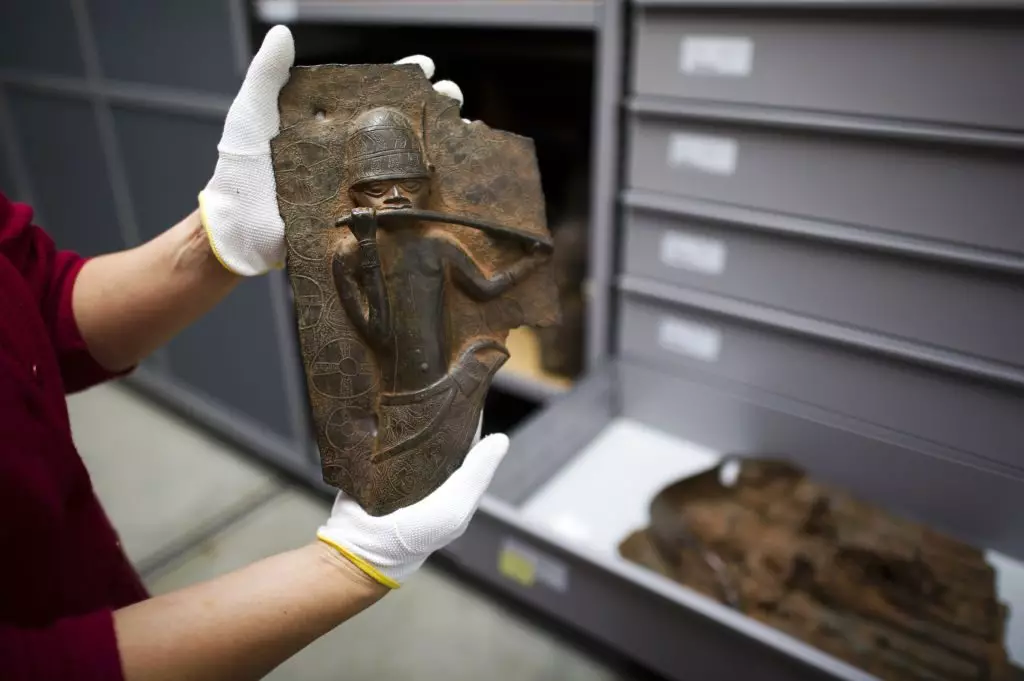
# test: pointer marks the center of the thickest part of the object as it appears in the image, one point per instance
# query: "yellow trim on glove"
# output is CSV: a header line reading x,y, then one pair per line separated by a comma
x,y
360,563
209,235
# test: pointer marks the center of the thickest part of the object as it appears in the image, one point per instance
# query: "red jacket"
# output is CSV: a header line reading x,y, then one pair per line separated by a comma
x,y
62,570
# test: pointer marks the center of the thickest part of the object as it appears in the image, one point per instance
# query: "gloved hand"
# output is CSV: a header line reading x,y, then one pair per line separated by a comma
x,y
392,547
238,207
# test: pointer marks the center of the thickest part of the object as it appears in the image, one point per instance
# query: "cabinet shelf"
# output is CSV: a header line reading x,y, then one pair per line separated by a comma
x,y
553,14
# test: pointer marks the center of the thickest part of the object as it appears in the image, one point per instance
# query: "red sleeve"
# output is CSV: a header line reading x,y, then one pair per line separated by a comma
x,y
50,274
74,649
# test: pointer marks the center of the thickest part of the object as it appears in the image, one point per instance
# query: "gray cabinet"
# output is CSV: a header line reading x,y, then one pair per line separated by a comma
x,y
114,110
186,44
67,169
40,37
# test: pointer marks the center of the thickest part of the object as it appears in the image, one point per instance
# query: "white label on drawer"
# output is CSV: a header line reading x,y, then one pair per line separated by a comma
x,y
690,338
692,252
708,153
714,55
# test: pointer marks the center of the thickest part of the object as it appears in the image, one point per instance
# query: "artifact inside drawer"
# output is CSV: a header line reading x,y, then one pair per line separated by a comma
x,y
892,597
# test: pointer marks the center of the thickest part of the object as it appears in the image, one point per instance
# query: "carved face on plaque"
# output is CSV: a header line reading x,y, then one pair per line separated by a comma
x,y
385,162
409,325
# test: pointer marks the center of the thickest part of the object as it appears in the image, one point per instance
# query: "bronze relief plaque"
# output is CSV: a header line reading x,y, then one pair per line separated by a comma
x,y
415,242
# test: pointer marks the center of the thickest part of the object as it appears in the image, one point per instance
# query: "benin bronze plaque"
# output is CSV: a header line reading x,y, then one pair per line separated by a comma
x,y
415,242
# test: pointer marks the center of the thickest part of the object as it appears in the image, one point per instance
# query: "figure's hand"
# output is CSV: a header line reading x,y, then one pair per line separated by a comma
x,y
392,547
364,224
238,206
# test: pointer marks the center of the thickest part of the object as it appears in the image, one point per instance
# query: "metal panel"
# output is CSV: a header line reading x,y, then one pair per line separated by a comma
x,y
39,35
8,185
67,170
564,14
234,353
956,70
267,446
179,43
167,158
604,180
959,194
982,421
962,309
902,474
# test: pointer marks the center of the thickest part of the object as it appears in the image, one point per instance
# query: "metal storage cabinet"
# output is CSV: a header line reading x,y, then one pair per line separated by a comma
x,y
821,261
111,114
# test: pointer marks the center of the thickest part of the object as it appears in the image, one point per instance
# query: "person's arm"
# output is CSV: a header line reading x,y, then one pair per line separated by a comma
x,y
243,624
128,304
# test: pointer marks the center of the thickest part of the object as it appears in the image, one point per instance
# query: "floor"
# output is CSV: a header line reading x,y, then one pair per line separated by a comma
x,y
189,508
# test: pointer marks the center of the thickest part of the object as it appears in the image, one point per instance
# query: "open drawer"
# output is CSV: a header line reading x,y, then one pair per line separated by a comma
x,y
582,472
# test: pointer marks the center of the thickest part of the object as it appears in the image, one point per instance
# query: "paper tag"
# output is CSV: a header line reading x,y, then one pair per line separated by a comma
x,y
712,55
528,566
690,338
708,153
692,252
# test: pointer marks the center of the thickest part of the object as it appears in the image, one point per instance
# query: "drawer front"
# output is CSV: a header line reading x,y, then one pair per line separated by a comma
x,y
981,419
980,507
963,72
960,309
956,194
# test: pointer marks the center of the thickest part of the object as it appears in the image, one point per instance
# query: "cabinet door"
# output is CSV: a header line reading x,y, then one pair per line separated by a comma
x,y
184,44
67,171
233,354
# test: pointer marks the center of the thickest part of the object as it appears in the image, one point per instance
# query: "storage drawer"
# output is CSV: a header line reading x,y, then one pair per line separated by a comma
x,y
580,475
953,193
981,419
905,476
960,70
958,308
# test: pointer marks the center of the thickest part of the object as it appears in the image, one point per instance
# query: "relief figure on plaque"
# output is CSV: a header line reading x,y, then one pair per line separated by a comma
x,y
392,279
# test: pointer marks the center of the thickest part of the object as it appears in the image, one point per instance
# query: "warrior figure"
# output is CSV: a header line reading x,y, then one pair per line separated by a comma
x,y
397,302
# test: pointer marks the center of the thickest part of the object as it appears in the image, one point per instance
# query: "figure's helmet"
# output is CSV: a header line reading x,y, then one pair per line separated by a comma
x,y
383,146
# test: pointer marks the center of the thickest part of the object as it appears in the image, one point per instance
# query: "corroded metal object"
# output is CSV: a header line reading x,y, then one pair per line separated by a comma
x,y
415,242
892,597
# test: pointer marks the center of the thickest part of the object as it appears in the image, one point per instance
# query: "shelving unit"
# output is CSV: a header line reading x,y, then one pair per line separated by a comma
x,y
823,263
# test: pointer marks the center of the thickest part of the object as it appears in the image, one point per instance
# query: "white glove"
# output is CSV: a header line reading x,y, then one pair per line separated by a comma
x,y
392,547
238,207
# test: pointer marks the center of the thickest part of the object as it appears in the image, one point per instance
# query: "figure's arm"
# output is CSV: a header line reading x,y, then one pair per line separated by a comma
x,y
371,277
348,288
473,281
